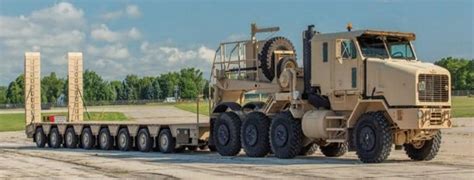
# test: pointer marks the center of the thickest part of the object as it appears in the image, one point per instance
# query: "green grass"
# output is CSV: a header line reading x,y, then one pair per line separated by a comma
x,y
463,106
191,107
16,121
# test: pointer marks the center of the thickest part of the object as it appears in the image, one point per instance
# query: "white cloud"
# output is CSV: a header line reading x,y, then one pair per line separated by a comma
x,y
133,11
103,33
114,51
53,31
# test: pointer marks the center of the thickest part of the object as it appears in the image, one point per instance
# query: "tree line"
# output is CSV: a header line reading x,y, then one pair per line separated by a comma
x,y
188,83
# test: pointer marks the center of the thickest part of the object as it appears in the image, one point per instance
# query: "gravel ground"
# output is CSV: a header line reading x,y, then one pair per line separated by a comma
x,y
19,158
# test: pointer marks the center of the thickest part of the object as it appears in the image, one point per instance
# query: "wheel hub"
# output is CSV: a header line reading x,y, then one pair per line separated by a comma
x,y
103,139
69,138
367,138
223,134
418,144
251,134
122,140
53,138
281,135
142,140
164,141
86,139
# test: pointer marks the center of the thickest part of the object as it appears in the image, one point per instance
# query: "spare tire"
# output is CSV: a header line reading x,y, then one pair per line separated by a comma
x,y
266,56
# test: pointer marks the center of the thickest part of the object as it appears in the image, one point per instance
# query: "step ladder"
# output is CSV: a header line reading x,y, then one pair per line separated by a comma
x,y
336,129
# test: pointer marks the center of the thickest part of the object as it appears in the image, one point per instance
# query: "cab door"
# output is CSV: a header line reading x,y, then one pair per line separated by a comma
x,y
345,71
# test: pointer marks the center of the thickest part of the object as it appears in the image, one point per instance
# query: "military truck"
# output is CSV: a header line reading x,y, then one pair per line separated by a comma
x,y
361,90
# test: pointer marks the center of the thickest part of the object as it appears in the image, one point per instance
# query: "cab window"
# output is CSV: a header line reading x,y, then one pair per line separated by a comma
x,y
348,50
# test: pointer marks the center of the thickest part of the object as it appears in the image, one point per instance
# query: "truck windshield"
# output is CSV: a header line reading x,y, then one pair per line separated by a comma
x,y
376,46
399,48
372,46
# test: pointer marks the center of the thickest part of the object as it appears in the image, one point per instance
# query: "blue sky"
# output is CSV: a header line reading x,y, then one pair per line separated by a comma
x,y
151,37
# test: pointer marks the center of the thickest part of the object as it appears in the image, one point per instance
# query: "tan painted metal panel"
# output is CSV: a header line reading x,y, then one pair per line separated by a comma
x,y
32,87
75,87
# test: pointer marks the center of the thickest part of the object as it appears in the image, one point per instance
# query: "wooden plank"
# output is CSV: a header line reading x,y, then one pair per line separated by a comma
x,y
75,87
32,87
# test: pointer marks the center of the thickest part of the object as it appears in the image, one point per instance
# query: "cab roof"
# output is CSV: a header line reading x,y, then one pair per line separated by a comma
x,y
353,34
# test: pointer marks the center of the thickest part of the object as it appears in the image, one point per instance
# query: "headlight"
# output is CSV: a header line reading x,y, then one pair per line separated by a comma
x,y
421,86
420,114
446,115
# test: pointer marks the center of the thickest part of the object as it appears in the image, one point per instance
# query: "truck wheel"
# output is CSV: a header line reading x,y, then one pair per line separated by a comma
x,y
144,141
424,150
267,57
106,141
55,139
372,138
87,138
286,136
308,149
124,141
334,149
255,134
227,134
166,142
70,139
40,137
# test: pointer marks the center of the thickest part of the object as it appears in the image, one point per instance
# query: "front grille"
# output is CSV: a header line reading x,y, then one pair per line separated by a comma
x,y
436,118
436,88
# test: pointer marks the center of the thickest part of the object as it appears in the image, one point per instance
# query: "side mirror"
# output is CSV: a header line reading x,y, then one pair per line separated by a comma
x,y
337,49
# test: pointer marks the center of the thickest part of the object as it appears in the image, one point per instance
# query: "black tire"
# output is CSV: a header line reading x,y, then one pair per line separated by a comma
x,y
70,138
334,149
106,141
255,134
227,134
372,137
87,139
286,136
55,139
144,141
266,55
40,137
426,151
308,149
166,142
124,141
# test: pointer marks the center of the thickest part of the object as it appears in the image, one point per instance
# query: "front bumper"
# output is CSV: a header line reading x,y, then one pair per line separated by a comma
x,y
422,118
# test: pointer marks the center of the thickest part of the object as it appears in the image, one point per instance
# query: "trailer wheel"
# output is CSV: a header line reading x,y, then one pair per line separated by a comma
x,y
166,142
286,136
144,141
308,149
87,138
255,134
55,139
70,138
40,137
267,56
424,150
106,141
334,149
124,141
372,138
227,134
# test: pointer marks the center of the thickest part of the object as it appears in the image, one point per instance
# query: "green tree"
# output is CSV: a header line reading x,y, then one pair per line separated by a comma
x,y
15,90
118,90
167,83
461,70
3,94
95,88
191,83
51,88
131,87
